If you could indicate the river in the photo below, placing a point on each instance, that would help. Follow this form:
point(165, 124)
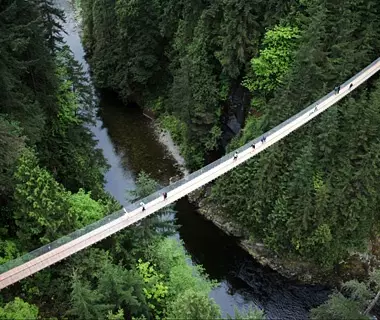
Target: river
point(130, 144)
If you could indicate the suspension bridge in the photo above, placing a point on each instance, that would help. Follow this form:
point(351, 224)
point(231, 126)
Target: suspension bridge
point(32, 262)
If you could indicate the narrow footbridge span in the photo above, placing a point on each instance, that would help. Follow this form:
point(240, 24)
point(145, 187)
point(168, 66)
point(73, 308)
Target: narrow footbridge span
point(32, 262)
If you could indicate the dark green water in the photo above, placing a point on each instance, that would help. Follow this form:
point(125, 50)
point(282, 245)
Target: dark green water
point(129, 144)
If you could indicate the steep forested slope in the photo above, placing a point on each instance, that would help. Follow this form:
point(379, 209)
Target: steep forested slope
point(178, 58)
point(314, 194)
point(51, 183)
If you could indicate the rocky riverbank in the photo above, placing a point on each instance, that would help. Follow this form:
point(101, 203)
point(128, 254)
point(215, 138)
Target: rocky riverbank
point(292, 269)
point(357, 266)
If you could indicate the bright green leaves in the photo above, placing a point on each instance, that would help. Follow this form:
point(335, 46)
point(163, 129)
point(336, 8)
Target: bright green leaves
point(18, 310)
point(172, 261)
point(119, 315)
point(8, 251)
point(85, 209)
point(154, 289)
point(274, 60)
point(179, 279)
point(193, 305)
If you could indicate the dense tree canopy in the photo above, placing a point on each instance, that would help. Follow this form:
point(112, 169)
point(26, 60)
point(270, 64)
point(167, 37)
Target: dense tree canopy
point(306, 196)
point(176, 57)
point(314, 195)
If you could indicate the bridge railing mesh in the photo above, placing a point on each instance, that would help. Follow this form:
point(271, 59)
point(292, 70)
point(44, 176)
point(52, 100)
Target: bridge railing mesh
point(80, 232)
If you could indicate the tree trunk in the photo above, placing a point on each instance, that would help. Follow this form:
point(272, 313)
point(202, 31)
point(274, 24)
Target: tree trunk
point(372, 304)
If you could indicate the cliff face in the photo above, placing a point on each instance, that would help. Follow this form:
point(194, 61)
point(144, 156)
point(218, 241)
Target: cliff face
point(356, 266)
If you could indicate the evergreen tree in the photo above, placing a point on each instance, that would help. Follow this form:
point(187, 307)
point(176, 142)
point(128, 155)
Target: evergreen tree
point(41, 204)
point(308, 195)
point(240, 32)
point(85, 302)
point(52, 18)
point(356, 301)
point(123, 288)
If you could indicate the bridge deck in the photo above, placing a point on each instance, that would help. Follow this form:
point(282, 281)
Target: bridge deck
point(60, 249)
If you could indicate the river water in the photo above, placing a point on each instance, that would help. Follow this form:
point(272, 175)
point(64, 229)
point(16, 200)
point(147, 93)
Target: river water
point(129, 144)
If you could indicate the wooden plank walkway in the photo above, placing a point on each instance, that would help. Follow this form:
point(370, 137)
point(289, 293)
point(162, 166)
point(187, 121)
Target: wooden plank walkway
point(187, 185)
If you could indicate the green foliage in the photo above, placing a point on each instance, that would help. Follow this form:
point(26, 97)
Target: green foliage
point(41, 204)
point(151, 228)
point(8, 250)
point(12, 143)
point(27, 82)
point(52, 18)
point(338, 307)
point(67, 115)
point(250, 314)
point(69, 150)
point(356, 302)
point(116, 316)
point(85, 302)
point(313, 194)
point(269, 69)
point(178, 58)
point(122, 288)
point(239, 34)
point(44, 210)
point(180, 279)
point(18, 310)
point(155, 290)
point(145, 186)
point(193, 305)
point(176, 128)
point(85, 209)
point(172, 261)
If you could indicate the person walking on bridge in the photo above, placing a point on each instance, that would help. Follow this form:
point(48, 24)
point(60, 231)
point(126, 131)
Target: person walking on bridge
point(253, 147)
point(263, 139)
point(165, 195)
point(337, 89)
point(235, 156)
point(142, 204)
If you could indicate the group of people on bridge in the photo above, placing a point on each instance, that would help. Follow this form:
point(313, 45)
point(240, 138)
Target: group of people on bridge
point(253, 146)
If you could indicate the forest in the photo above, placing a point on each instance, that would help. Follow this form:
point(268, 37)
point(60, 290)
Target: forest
point(51, 183)
point(314, 196)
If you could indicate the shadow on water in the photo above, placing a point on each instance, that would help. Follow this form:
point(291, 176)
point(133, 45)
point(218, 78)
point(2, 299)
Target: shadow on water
point(134, 140)
point(243, 281)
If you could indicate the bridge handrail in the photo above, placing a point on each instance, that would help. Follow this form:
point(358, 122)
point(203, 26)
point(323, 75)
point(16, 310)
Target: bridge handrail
point(113, 216)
